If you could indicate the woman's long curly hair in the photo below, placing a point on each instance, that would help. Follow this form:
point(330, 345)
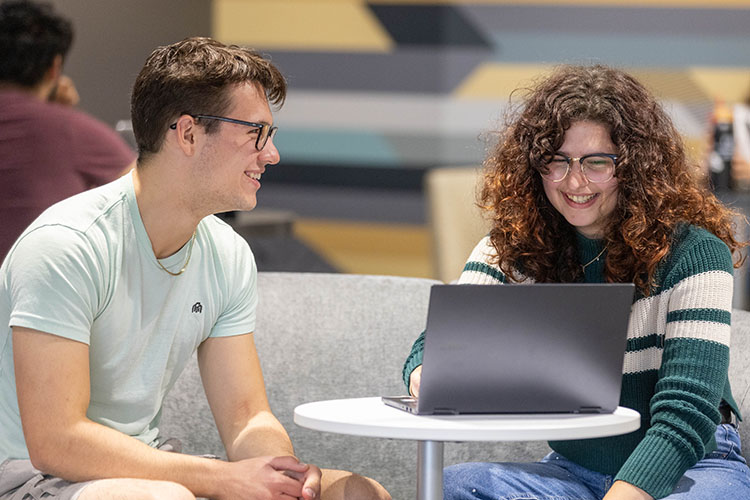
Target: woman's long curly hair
point(657, 188)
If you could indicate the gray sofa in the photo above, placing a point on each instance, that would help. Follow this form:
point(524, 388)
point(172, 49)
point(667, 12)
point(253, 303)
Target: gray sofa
point(329, 336)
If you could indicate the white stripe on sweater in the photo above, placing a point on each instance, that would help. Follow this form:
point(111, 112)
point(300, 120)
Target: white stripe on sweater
point(712, 289)
point(650, 358)
point(703, 330)
point(643, 360)
point(483, 251)
point(477, 278)
point(648, 316)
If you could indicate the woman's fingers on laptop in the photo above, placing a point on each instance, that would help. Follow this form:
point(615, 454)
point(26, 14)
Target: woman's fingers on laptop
point(414, 379)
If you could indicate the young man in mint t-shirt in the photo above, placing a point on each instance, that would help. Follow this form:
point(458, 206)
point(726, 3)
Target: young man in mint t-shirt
point(107, 295)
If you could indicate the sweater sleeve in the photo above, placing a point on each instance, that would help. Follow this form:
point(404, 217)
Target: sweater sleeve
point(414, 359)
point(480, 268)
point(477, 270)
point(695, 360)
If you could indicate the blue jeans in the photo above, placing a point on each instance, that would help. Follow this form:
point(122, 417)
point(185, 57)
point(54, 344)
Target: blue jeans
point(723, 474)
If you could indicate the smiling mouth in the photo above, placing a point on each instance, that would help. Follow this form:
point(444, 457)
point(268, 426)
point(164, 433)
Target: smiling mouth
point(253, 175)
point(580, 199)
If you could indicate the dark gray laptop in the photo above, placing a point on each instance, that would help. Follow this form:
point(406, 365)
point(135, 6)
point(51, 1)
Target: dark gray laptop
point(538, 348)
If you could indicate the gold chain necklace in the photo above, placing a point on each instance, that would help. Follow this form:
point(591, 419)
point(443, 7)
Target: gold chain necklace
point(584, 266)
point(187, 261)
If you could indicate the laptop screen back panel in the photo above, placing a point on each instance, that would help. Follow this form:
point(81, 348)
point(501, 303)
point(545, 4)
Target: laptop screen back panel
point(541, 348)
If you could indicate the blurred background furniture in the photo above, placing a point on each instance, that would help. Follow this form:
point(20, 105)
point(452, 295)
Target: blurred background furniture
point(270, 233)
point(455, 221)
point(327, 336)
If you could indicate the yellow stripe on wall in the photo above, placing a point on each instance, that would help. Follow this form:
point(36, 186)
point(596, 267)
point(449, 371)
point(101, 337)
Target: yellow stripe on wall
point(368, 247)
point(729, 84)
point(692, 84)
point(671, 84)
point(300, 25)
point(493, 80)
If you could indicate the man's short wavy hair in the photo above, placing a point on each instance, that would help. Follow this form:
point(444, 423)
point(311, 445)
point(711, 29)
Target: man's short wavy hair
point(194, 76)
point(31, 36)
point(658, 188)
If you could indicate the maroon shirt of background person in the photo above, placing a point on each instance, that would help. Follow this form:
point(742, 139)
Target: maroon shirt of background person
point(49, 152)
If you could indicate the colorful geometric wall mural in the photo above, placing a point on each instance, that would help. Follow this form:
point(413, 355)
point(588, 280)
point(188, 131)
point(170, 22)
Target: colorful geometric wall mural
point(419, 84)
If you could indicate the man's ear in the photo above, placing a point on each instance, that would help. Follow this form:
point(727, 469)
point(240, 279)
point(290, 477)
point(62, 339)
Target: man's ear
point(45, 88)
point(186, 130)
point(55, 69)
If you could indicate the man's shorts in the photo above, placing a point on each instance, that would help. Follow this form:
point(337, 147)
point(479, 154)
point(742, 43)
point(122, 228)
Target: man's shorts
point(19, 480)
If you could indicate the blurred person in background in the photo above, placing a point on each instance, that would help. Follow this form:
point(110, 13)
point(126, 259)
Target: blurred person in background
point(741, 156)
point(728, 154)
point(48, 150)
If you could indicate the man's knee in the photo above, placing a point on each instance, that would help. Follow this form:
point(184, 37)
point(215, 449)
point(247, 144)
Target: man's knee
point(337, 484)
point(135, 489)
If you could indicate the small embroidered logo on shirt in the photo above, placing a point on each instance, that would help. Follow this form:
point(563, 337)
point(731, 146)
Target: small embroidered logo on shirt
point(197, 307)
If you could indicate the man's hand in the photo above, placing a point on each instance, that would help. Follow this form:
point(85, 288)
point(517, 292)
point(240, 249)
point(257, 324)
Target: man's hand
point(266, 478)
point(621, 490)
point(311, 483)
point(414, 379)
point(65, 92)
point(310, 480)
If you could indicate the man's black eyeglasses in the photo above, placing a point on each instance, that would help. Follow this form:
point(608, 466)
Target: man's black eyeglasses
point(265, 132)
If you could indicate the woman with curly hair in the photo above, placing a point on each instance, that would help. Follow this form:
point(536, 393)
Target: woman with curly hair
point(590, 183)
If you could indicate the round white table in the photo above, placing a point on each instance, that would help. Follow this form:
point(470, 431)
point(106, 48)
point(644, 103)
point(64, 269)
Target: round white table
point(372, 418)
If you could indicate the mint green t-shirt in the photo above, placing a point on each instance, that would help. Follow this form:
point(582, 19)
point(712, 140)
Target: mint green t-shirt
point(85, 270)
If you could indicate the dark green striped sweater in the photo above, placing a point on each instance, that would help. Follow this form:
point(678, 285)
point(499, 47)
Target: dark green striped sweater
point(675, 371)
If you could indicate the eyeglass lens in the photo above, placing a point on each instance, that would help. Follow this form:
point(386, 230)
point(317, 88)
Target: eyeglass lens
point(266, 132)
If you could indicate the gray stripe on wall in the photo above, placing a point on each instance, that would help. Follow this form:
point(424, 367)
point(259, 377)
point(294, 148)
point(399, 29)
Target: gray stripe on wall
point(427, 69)
point(609, 20)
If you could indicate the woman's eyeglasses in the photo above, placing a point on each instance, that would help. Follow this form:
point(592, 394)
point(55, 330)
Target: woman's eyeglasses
point(596, 168)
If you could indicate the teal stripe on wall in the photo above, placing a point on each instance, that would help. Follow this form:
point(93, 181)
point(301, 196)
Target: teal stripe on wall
point(339, 147)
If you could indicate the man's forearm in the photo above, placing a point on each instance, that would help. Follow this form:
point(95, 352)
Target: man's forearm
point(89, 451)
point(262, 436)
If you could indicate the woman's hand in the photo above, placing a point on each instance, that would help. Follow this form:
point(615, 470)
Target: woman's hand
point(621, 490)
point(414, 379)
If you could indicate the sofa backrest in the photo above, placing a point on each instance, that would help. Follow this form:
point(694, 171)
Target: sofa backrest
point(739, 371)
point(330, 336)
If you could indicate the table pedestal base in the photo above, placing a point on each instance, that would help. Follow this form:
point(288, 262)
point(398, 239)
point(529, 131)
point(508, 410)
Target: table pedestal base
point(430, 470)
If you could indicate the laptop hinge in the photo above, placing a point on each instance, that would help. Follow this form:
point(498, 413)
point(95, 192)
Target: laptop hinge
point(590, 409)
point(445, 411)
